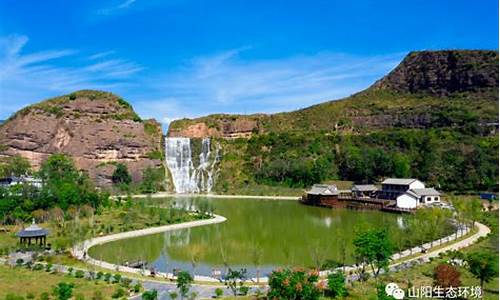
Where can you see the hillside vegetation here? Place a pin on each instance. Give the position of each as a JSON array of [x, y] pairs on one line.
[[434, 117]]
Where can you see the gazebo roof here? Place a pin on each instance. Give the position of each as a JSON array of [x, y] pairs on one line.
[[33, 231]]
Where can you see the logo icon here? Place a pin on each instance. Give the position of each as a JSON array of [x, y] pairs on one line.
[[392, 289]]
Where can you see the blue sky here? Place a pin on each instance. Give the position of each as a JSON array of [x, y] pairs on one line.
[[187, 58]]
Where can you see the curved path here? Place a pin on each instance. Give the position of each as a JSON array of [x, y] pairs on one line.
[[165, 195], [80, 250]]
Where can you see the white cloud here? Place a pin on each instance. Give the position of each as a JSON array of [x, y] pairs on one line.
[[222, 83], [228, 83], [28, 77], [123, 5], [100, 55]]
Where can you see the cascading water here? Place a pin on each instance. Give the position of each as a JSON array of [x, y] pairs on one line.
[[186, 177]]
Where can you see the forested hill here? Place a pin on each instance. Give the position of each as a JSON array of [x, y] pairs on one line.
[[434, 117]]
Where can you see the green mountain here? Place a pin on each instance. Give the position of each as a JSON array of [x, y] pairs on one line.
[[434, 117]]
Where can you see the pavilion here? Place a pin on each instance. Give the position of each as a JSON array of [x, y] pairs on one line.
[[33, 232]]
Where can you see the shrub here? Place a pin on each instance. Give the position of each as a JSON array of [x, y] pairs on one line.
[[446, 275], [63, 290], [125, 282], [117, 278], [107, 277], [150, 295], [288, 284], [30, 296], [79, 274], [119, 292], [137, 287], [48, 267], [99, 275], [336, 285], [219, 292]]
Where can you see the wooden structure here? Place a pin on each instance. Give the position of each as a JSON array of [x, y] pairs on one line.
[[33, 232]]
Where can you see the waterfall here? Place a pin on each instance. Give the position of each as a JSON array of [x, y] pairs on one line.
[[186, 177]]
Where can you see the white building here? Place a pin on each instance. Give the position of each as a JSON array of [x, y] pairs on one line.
[[416, 197], [394, 187]]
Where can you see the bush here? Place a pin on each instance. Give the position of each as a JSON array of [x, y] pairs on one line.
[[150, 295], [137, 287], [63, 290], [119, 292], [219, 292], [121, 175], [48, 267], [117, 278], [99, 275], [446, 276], [125, 282], [30, 296], [288, 284], [79, 297], [336, 285], [79, 274], [107, 277]]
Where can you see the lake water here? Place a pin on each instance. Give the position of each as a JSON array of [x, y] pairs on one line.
[[278, 232]]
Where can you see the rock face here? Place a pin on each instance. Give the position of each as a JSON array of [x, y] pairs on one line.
[[442, 73], [96, 128], [220, 126]]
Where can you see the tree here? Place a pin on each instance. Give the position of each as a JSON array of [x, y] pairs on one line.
[[121, 175], [336, 285], [293, 284], [63, 290], [473, 209], [373, 248], [15, 166], [152, 179], [483, 265], [184, 281], [235, 280], [150, 295], [446, 276]]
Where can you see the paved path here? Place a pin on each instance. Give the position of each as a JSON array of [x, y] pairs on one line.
[[80, 250], [165, 194]]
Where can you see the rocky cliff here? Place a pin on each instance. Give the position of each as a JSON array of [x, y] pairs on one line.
[[442, 73], [428, 89], [96, 128]]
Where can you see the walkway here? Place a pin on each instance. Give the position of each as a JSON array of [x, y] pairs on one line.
[[166, 195]]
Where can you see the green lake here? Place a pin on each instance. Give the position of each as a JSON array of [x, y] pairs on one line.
[[279, 232]]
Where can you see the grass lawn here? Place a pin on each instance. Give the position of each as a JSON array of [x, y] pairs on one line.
[[21, 281]]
